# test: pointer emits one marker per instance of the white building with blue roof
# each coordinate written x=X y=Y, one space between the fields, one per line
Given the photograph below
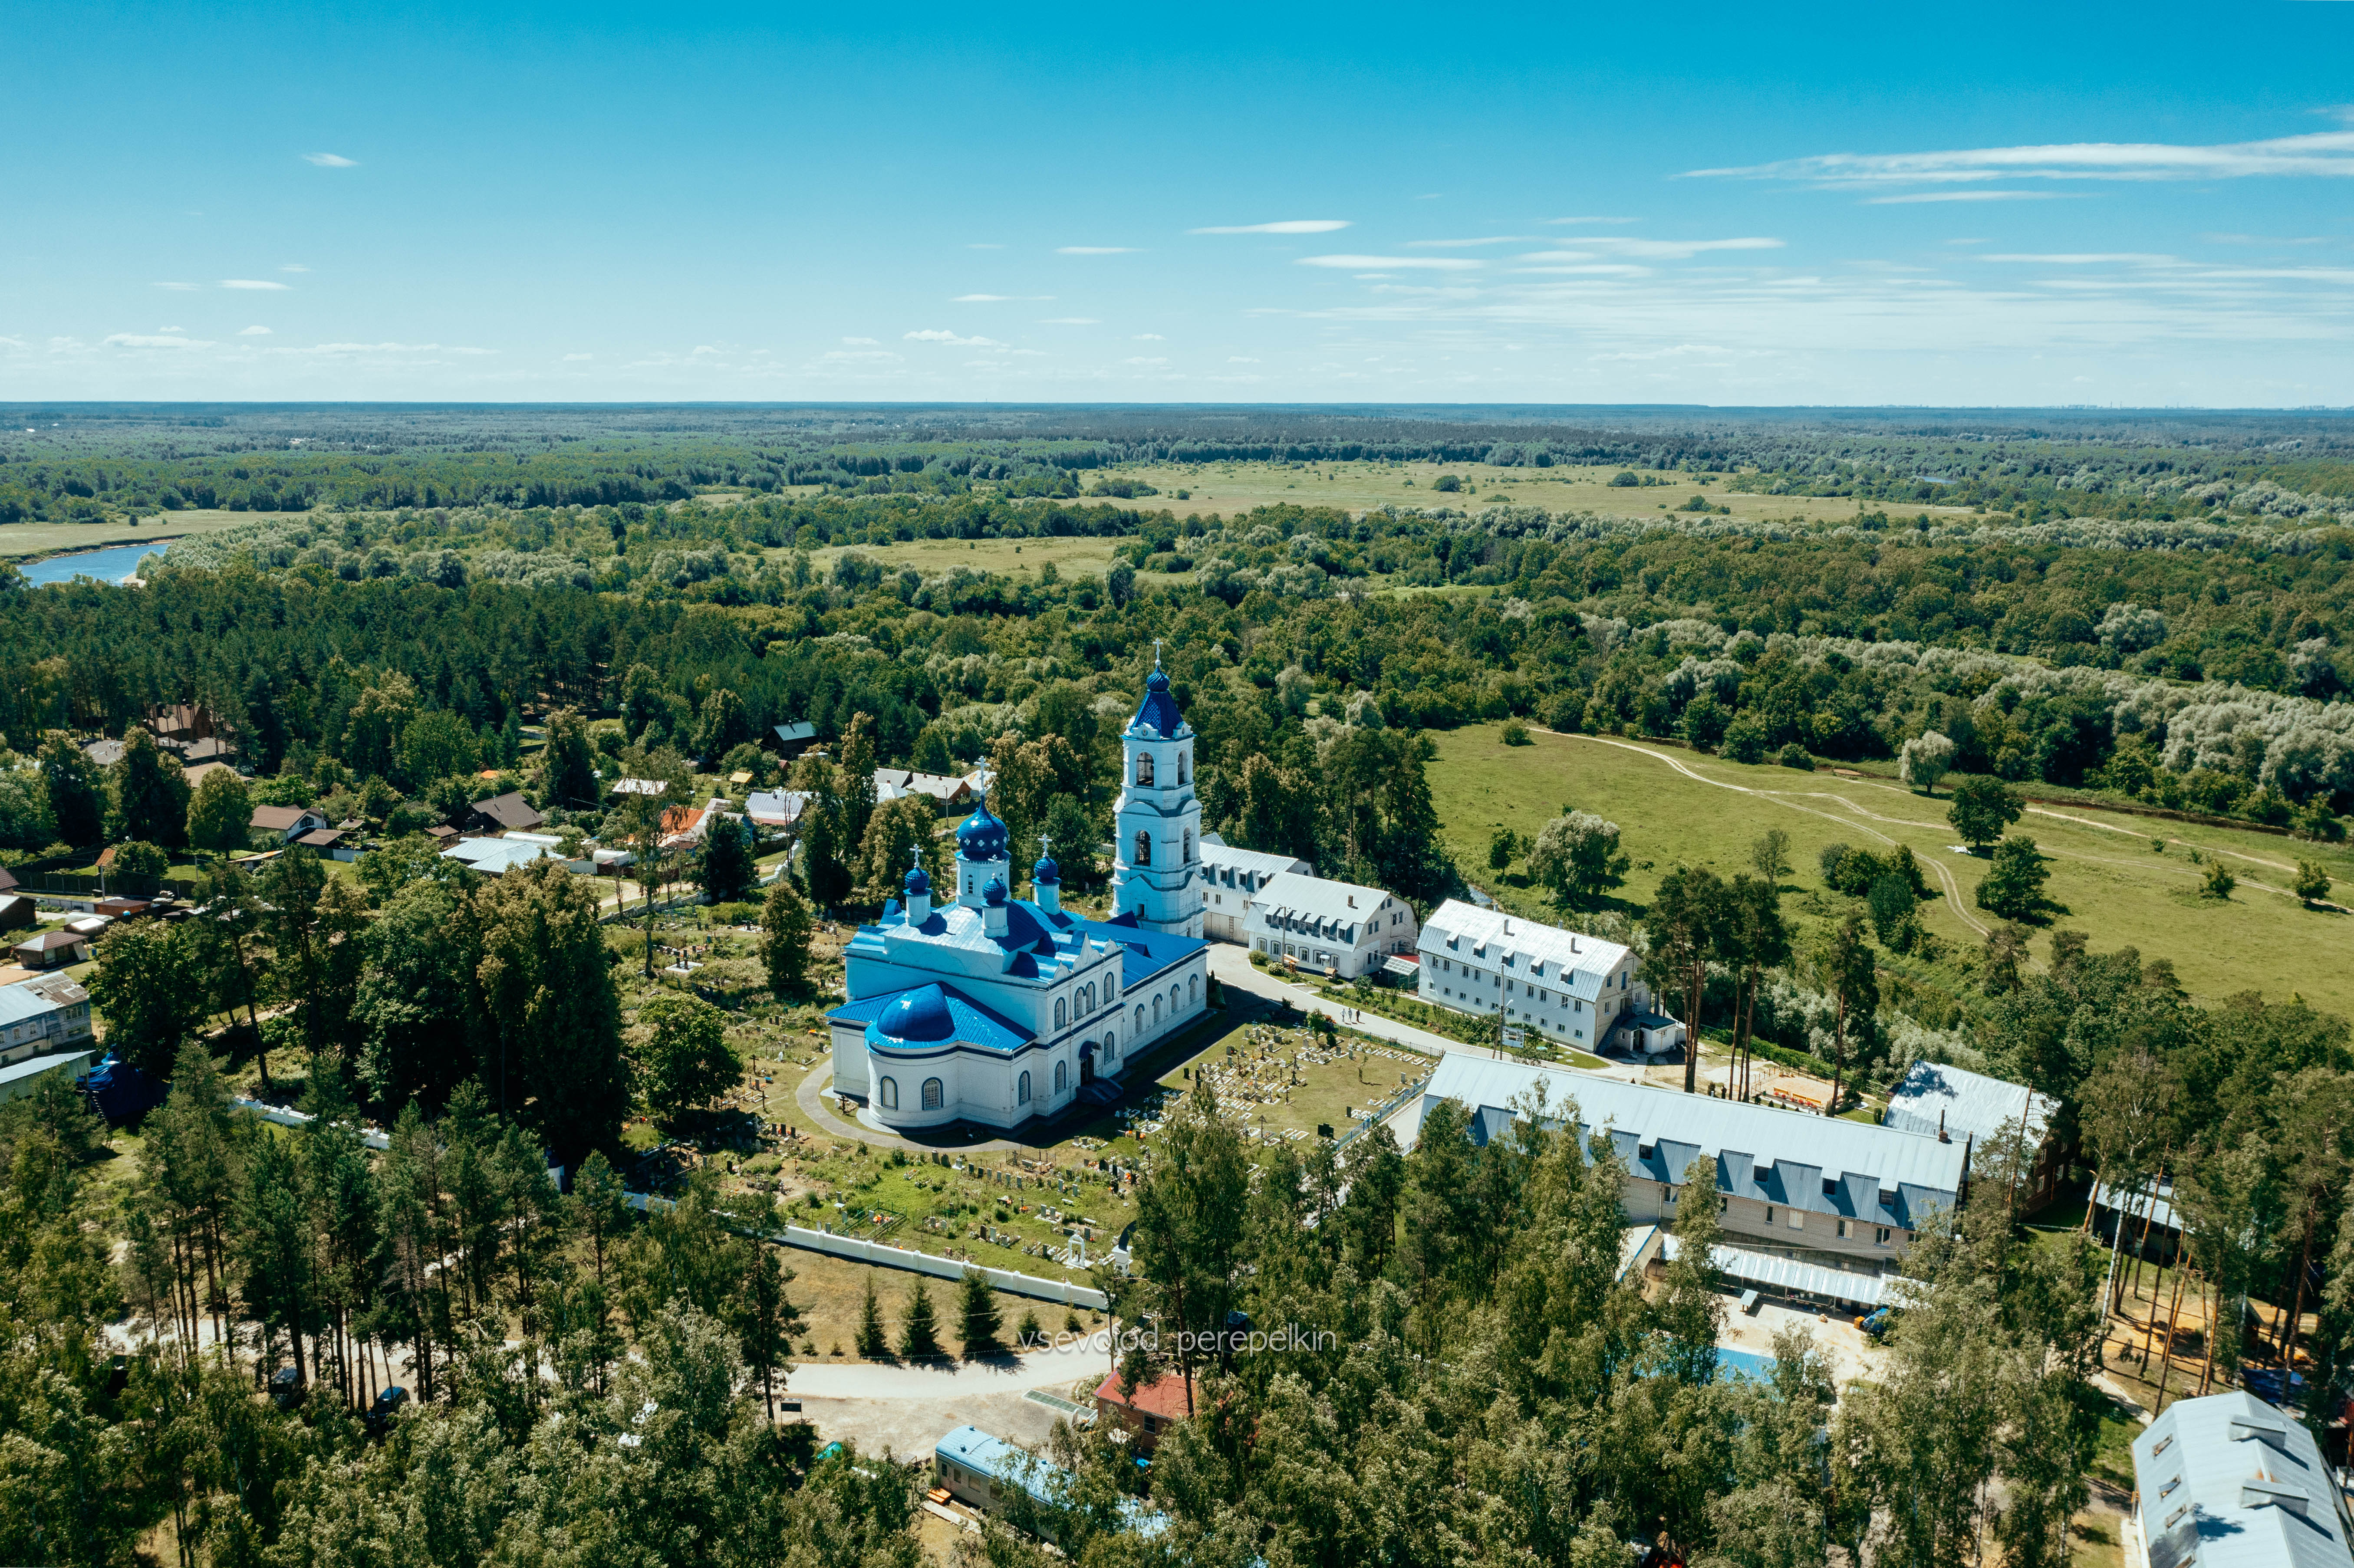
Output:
x=989 y=1009
x=2228 y=1481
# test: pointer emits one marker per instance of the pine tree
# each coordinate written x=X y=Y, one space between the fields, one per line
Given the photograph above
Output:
x=871 y=1340
x=920 y=1336
x=785 y=932
x=765 y=1321
x=977 y=1306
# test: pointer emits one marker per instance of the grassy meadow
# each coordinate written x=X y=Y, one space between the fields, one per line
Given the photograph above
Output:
x=1674 y=805
x=1230 y=489
x=31 y=541
x=1013 y=558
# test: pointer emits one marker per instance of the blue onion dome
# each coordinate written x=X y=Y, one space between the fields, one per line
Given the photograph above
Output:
x=982 y=836
x=917 y=885
x=1046 y=873
x=1159 y=713
x=921 y=1014
x=993 y=892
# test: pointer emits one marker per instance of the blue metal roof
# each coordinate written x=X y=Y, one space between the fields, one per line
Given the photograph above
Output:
x=966 y=1022
x=1158 y=711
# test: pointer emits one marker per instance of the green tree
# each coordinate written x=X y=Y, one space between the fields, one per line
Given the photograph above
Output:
x=1687 y=921
x=551 y=1020
x=764 y=1320
x=685 y=1060
x=2312 y=882
x=372 y=734
x=895 y=834
x=919 y=1333
x=139 y=858
x=870 y=1338
x=857 y=776
x=150 y=792
x=149 y=989
x=220 y=813
x=1769 y=855
x=980 y=1323
x=437 y=745
x=2013 y=885
x=1982 y=809
x=1689 y=1309
x=1846 y=971
x=1503 y=848
x=786 y=930
x=1756 y=941
x=725 y=868
x=1187 y=1236
x=1925 y=760
x=723 y=724
x=2219 y=882
x=76 y=787
x=1893 y=912
x=1576 y=855
x=568 y=760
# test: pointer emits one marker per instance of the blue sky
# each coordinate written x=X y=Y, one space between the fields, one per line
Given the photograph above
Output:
x=2144 y=205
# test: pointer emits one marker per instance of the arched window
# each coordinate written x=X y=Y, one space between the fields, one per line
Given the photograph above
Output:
x=932 y=1094
x=1173 y=999
x=1111 y=1046
x=888 y=1093
x=1144 y=768
x=1139 y=1018
x=1022 y=1090
x=1144 y=849
x=1062 y=1077
x=1193 y=988
x=1184 y=768
x=1189 y=847
x=1058 y=1012
x=1156 y=1010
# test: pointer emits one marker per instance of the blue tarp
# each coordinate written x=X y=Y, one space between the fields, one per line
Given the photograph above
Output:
x=122 y=1092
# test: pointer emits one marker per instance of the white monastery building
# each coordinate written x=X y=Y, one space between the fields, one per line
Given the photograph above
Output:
x=1335 y=928
x=1231 y=877
x=1568 y=987
x=993 y=1010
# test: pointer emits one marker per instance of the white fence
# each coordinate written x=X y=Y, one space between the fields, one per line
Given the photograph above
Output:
x=885 y=1255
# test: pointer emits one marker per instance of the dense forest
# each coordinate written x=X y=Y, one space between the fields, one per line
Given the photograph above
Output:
x=2142 y=609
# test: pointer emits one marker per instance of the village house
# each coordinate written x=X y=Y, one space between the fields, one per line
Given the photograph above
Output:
x=1146 y=1414
x=287 y=824
x=52 y=949
x=1568 y=987
x=1230 y=877
x=505 y=814
x=38 y=1016
x=1963 y=1107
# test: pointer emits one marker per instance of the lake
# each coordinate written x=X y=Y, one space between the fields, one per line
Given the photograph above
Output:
x=107 y=565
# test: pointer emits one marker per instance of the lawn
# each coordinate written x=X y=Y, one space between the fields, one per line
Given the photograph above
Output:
x=1072 y=557
x=1231 y=489
x=830 y=1292
x=24 y=541
x=1675 y=805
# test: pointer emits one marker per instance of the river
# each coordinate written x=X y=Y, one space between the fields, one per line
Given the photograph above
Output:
x=108 y=566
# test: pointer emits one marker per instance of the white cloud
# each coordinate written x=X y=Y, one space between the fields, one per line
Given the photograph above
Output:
x=153 y=340
x=1430 y=263
x=294 y=267
x=253 y=332
x=261 y=283
x=1917 y=197
x=868 y=342
x=178 y=287
x=576 y=359
x=171 y=329
x=2326 y=152
x=384 y=348
x=934 y=335
x=1238 y=359
x=1140 y=359
x=1150 y=337
x=331 y=160
x=1464 y=244
x=1095 y=250
x=1072 y=320
x=1594 y=244
x=1288 y=225
x=2084 y=258
x=703 y=348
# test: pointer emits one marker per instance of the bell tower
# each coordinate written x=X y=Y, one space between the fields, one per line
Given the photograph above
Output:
x=1157 y=821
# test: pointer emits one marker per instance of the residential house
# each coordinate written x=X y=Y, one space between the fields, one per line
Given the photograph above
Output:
x=986 y=1473
x=21 y=1078
x=1844 y=1196
x=1145 y=1414
x=622 y=787
x=2227 y=1481
x=1570 y=987
x=38 y=1016
x=1230 y=876
x=18 y=912
x=775 y=810
x=507 y=813
x=103 y=752
x=1952 y=1103
x=52 y=949
x=795 y=738
x=1331 y=927
x=287 y=824
x=332 y=842
x=497 y=856
x=196 y=772
x=947 y=793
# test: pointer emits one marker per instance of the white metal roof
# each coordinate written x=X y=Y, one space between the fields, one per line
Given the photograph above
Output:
x=1259 y=863
x=1935 y=1096
x=35 y=998
x=2228 y=1481
x=1497 y=942
x=1295 y=895
x=1788 y=1277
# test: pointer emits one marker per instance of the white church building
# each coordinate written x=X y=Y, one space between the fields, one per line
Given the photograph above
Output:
x=983 y=1007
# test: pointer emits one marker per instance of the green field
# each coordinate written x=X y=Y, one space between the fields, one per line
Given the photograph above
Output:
x=1230 y=489
x=1676 y=805
x=30 y=541
x=1014 y=557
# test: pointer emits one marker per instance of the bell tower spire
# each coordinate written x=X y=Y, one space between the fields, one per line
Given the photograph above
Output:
x=1157 y=821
